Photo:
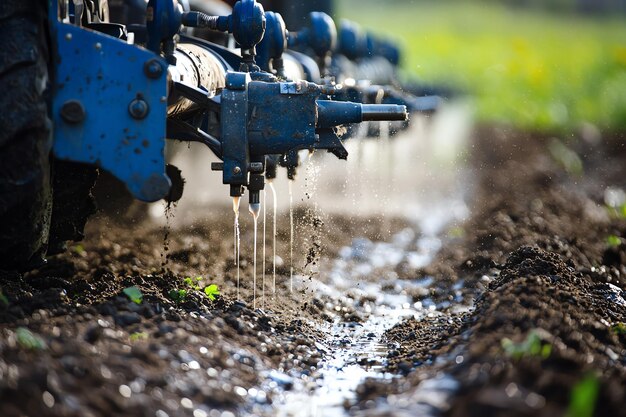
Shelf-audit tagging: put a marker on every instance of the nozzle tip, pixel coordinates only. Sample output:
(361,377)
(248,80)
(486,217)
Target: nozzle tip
(255,209)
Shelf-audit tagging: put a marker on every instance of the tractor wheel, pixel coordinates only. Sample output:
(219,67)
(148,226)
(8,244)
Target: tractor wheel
(25,134)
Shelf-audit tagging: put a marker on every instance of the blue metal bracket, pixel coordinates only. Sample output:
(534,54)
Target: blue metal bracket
(109,106)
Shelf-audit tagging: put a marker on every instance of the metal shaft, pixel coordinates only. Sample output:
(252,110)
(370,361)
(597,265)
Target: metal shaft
(382,112)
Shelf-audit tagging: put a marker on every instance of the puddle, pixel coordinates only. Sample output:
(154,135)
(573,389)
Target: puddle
(363,278)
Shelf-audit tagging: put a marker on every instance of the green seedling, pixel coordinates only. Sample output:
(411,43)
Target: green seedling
(193,283)
(29,340)
(178,296)
(78,249)
(617,211)
(3,299)
(138,336)
(583,397)
(531,347)
(211,291)
(613,241)
(134,294)
(456,232)
(619,328)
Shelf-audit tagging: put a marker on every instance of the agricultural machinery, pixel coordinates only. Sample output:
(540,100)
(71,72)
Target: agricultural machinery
(84,91)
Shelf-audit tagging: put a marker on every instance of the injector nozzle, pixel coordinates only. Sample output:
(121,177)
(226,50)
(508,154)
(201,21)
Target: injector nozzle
(335,113)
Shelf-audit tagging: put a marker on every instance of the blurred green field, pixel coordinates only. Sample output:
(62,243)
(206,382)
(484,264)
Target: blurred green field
(532,69)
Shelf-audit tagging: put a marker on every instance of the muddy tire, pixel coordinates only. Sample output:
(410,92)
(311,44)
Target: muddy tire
(25,134)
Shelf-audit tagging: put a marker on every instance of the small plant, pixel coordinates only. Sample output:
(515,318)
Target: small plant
(78,249)
(192,283)
(29,340)
(583,397)
(138,336)
(613,241)
(178,296)
(619,328)
(531,347)
(211,291)
(617,211)
(3,299)
(134,294)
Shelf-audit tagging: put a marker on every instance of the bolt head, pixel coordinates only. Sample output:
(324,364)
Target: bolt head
(153,68)
(138,109)
(73,112)
(236,170)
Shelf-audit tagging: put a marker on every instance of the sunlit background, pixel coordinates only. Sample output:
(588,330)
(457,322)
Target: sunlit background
(547,65)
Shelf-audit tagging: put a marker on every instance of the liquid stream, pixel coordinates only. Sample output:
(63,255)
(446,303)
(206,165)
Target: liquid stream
(254,210)
(236,234)
(291,235)
(264,223)
(274,238)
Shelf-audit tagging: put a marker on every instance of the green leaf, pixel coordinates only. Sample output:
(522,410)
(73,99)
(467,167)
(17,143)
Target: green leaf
(532,346)
(613,241)
(211,291)
(619,328)
(134,294)
(583,397)
(3,299)
(178,296)
(138,336)
(78,249)
(29,340)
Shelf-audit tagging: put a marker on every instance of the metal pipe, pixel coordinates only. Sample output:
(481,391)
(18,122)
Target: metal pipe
(383,112)
(335,113)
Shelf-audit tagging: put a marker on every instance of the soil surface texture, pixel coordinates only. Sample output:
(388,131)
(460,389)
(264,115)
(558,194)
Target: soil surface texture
(520,310)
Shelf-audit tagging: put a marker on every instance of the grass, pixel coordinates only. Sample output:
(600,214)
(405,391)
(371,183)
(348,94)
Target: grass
(534,70)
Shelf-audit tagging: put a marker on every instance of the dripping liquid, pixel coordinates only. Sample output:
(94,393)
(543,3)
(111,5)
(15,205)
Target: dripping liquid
(291,235)
(274,238)
(254,210)
(236,239)
(264,223)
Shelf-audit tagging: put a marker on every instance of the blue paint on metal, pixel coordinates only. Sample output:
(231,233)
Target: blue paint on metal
(163,20)
(274,42)
(99,77)
(320,35)
(247,23)
(234,129)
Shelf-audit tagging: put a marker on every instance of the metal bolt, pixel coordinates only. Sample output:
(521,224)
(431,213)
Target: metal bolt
(138,108)
(98,46)
(236,170)
(68,36)
(153,68)
(73,112)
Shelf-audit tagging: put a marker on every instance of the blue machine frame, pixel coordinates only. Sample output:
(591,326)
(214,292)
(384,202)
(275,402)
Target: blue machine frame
(109,106)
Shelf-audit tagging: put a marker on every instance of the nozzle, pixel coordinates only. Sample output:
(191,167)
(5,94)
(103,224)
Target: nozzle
(384,112)
(335,113)
(255,209)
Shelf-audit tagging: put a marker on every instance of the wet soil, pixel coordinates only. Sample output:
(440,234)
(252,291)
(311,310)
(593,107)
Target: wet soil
(532,264)
(536,255)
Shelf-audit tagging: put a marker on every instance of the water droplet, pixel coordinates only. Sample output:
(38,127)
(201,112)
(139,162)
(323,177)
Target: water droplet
(186,403)
(125,391)
(48,399)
